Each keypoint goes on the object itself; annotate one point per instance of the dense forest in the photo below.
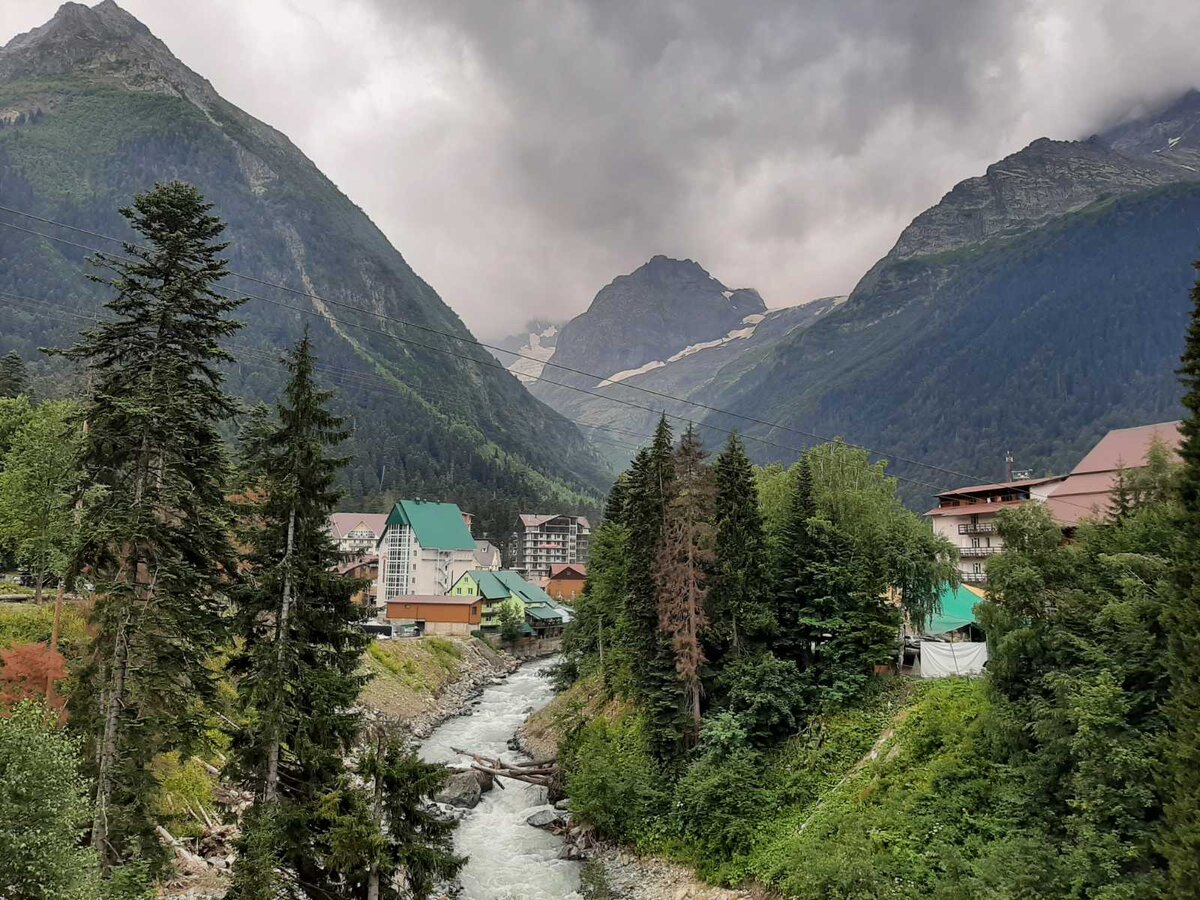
(725, 706)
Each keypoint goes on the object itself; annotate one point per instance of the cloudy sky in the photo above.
(522, 153)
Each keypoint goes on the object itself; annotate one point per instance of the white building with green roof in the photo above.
(424, 549)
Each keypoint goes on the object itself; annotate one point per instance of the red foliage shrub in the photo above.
(31, 671)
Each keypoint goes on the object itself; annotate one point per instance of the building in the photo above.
(357, 534)
(424, 549)
(487, 556)
(437, 614)
(542, 541)
(494, 588)
(967, 518)
(566, 581)
(1087, 491)
(365, 568)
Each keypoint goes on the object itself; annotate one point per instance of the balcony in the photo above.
(973, 577)
(979, 551)
(977, 528)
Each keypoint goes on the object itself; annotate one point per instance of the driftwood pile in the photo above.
(543, 772)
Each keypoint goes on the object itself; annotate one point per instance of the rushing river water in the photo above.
(507, 859)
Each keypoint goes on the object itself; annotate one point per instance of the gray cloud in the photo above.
(521, 154)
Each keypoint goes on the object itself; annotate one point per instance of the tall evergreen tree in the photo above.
(154, 534)
(790, 580)
(1181, 836)
(684, 562)
(297, 667)
(739, 604)
(13, 377)
(652, 660)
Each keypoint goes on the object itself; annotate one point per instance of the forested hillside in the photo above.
(94, 109)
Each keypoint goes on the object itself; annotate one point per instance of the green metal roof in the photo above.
(544, 613)
(957, 610)
(490, 587)
(522, 588)
(438, 526)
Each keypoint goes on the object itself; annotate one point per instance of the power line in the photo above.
(470, 340)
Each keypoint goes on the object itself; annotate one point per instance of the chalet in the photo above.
(437, 614)
(365, 568)
(424, 549)
(566, 581)
(357, 534)
(487, 556)
(543, 615)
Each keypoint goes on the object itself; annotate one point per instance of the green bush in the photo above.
(767, 694)
(612, 779)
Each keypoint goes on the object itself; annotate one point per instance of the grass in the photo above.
(26, 623)
(408, 674)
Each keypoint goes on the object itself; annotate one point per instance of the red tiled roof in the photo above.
(975, 509)
(998, 486)
(1127, 447)
(558, 569)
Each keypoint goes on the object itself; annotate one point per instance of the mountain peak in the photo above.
(102, 43)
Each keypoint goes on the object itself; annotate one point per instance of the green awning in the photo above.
(957, 610)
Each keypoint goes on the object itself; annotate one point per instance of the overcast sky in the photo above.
(522, 153)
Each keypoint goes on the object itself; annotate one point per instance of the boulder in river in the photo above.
(545, 818)
(461, 789)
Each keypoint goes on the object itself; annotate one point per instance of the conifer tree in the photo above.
(301, 645)
(684, 562)
(154, 532)
(13, 377)
(1181, 834)
(652, 660)
(792, 592)
(739, 606)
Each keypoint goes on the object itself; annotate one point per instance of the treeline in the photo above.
(216, 628)
(756, 745)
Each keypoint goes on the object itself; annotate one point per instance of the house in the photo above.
(365, 568)
(424, 549)
(566, 581)
(487, 556)
(1087, 491)
(542, 614)
(437, 614)
(542, 541)
(967, 518)
(357, 534)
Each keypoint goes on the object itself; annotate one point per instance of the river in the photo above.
(507, 859)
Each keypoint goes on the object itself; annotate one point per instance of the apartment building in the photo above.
(543, 541)
(424, 549)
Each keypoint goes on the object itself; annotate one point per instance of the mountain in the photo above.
(525, 354)
(1033, 308)
(668, 327)
(94, 108)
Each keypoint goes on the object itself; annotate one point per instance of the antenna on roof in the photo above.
(1008, 462)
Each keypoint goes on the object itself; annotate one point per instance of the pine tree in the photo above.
(739, 605)
(1181, 834)
(297, 667)
(13, 377)
(652, 660)
(154, 534)
(684, 561)
(791, 579)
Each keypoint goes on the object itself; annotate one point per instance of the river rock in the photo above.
(563, 804)
(486, 780)
(545, 818)
(461, 790)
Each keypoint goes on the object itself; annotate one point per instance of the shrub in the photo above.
(767, 694)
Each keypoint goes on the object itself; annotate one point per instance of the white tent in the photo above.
(940, 658)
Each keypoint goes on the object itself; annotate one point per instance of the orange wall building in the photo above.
(437, 614)
(566, 581)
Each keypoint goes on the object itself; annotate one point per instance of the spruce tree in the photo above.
(684, 562)
(652, 660)
(740, 613)
(154, 532)
(791, 579)
(1181, 834)
(13, 377)
(297, 666)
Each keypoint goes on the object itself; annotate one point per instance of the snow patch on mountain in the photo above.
(737, 334)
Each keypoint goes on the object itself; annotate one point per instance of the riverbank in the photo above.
(614, 873)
